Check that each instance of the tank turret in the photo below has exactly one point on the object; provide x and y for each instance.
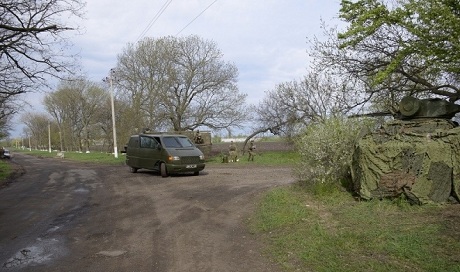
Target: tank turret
(412, 108)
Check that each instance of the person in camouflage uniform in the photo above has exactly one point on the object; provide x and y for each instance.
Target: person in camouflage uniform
(233, 152)
(198, 139)
(251, 150)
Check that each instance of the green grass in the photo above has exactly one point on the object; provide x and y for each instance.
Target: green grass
(93, 157)
(5, 170)
(306, 233)
(265, 158)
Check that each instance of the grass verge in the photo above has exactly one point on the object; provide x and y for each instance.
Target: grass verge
(336, 233)
(93, 157)
(5, 171)
(266, 158)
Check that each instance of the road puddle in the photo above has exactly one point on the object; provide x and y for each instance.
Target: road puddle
(42, 252)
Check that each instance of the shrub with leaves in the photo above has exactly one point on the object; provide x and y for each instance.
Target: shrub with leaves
(326, 148)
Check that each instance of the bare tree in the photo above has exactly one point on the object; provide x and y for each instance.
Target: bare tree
(32, 43)
(37, 128)
(291, 106)
(180, 84)
(77, 107)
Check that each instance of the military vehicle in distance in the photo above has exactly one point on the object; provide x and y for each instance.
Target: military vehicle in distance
(165, 153)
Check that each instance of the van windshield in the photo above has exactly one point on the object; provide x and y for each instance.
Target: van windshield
(177, 142)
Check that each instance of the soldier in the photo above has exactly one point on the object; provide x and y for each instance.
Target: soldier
(232, 152)
(252, 150)
(198, 139)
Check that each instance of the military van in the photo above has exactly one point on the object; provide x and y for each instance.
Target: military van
(165, 153)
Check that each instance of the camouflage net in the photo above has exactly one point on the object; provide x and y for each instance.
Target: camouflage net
(417, 158)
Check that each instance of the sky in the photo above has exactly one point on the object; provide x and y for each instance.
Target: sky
(265, 39)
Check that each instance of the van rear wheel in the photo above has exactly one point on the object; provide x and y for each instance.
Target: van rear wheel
(163, 170)
(133, 169)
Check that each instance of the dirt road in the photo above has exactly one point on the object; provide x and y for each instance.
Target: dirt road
(66, 216)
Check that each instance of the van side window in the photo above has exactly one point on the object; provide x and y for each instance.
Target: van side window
(134, 142)
(147, 142)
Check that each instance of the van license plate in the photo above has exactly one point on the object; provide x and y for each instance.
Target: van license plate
(190, 166)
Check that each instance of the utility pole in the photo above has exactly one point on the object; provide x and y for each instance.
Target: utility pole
(110, 78)
(49, 136)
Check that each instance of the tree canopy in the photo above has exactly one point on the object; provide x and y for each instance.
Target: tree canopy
(179, 84)
(406, 46)
(79, 109)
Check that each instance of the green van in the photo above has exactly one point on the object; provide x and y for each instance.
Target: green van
(165, 153)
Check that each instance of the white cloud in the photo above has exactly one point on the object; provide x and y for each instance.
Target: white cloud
(265, 39)
(267, 35)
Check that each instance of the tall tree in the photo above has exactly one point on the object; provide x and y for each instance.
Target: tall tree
(180, 84)
(403, 47)
(37, 128)
(76, 107)
(32, 43)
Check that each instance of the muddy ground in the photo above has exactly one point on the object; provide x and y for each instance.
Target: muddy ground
(66, 216)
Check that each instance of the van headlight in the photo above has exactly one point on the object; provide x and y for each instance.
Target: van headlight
(174, 158)
(202, 157)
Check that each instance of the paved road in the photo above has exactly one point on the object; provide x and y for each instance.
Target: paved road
(66, 216)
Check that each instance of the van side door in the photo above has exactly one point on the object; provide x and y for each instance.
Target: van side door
(132, 152)
(149, 149)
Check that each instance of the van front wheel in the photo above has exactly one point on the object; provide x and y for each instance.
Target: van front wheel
(132, 169)
(163, 171)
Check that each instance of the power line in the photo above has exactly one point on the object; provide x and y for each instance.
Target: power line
(196, 17)
(154, 19)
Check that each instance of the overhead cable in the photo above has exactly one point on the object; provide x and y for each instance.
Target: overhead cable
(154, 19)
(196, 17)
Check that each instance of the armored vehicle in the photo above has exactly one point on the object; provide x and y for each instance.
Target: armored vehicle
(165, 153)
(417, 155)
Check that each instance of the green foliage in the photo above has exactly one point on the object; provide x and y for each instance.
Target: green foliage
(408, 45)
(365, 17)
(310, 234)
(326, 148)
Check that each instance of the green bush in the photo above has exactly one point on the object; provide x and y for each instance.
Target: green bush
(326, 148)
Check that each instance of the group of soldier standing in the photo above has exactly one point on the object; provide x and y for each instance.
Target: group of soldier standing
(233, 152)
(232, 149)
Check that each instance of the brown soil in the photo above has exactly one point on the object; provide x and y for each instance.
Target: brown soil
(66, 216)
